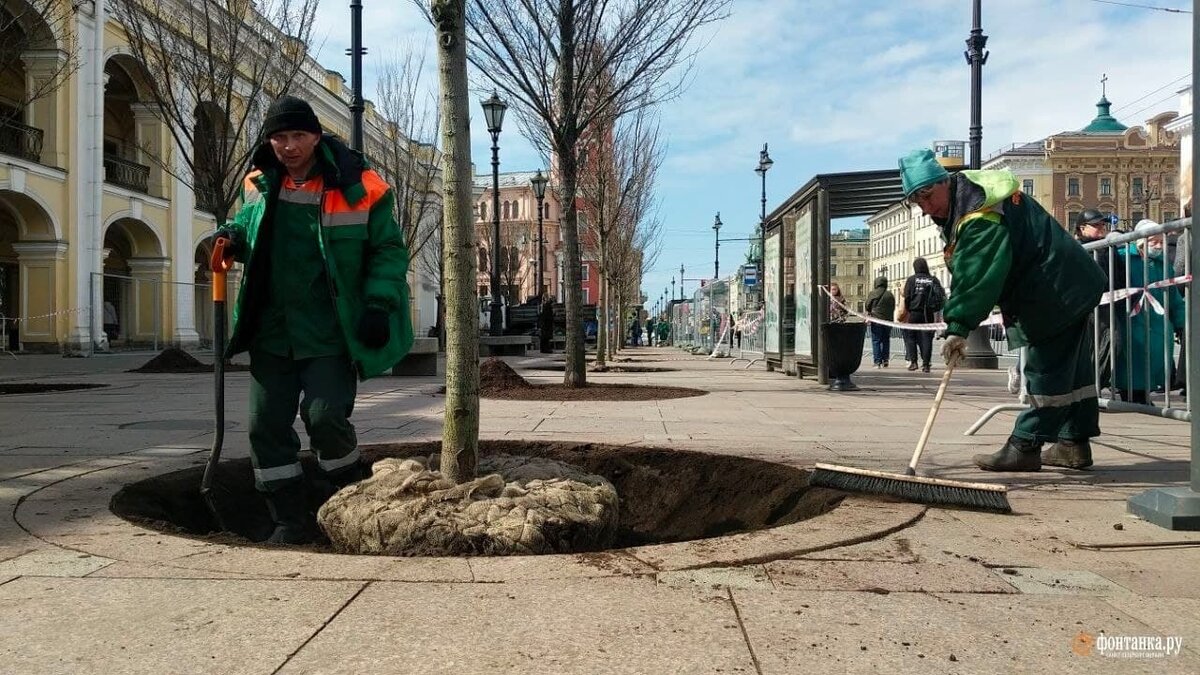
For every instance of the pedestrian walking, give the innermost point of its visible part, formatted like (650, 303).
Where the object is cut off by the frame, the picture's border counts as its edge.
(924, 297)
(323, 303)
(881, 304)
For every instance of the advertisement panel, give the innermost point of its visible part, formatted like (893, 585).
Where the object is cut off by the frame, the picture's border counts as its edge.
(771, 289)
(804, 284)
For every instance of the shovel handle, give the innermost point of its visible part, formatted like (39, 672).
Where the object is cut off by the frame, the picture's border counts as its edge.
(220, 263)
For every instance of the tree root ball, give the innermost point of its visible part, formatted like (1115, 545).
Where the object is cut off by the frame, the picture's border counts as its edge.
(517, 506)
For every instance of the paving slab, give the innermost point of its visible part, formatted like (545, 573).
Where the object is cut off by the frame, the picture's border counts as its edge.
(160, 626)
(53, 562)
(1167, 616)
(567, 626)
(855, 575)
(919, 633)
(588, 565)
(1040, 581)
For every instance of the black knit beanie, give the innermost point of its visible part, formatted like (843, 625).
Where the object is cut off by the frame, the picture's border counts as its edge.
(289, 113)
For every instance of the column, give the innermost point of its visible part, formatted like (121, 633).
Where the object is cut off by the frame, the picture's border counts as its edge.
(183, 233)
(38, 264)
(86, 177)
(149, 299)
(45, 71)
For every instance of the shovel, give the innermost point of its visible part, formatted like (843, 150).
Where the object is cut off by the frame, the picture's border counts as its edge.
(220, 265)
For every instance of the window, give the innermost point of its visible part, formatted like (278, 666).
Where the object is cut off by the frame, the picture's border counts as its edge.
(1027, 186)
(860, 290)
(1168, 216)
(1071, 216)
(832, 252)
(1105, 187)
(583, 272)
(1169, 184)
(483, 259)
(1072, 187)
(861, 272)
(483, 210)
(516, 210)
(483, 291)
(1137, 216)
(1137, 187)
(833, 270)
(587, 295)
(859, 254)
(506, 210)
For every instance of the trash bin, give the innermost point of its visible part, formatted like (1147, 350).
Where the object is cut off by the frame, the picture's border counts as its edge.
(845, 352)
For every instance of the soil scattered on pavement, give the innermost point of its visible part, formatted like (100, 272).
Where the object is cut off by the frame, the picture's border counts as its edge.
(498, 380)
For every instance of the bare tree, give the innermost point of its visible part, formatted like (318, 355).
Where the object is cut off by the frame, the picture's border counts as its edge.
(36, 58)
(407, 156)
(619, 191)
(566, 66)
(460, 429)
(211, 65)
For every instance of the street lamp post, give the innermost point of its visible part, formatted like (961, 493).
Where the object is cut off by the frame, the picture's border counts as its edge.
(672, 288)
(539, 189)
(717, 243)
(764, 164)
(493, 114)
(681, 282)
(356, 52)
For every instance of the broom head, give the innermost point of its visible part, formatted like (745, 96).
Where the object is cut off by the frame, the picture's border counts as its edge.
(937, 491)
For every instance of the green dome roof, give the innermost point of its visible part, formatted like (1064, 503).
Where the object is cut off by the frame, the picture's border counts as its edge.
(1104, 123)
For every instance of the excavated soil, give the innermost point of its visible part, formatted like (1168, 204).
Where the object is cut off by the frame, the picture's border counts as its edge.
(175, 360)
(610, 369)
(498, 380)
(666, 495)
(43, 387)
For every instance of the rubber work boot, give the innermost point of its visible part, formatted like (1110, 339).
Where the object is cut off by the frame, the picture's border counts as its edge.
(294, 520)
(350, 475)
(1017, 454)
(1069, 454)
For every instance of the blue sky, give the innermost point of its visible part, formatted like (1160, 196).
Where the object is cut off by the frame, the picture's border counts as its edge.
(845, 85)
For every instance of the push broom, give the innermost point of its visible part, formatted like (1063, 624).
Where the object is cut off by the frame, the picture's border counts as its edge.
(911, 487)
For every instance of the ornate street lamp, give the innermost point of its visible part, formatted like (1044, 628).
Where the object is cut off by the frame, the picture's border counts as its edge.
(539, 190)
(681, 282)
(717, 250)
(493, 114)
(764, 164)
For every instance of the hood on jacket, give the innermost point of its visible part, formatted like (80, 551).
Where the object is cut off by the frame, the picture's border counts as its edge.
(881, 282)
(976, 190)
(340, 166)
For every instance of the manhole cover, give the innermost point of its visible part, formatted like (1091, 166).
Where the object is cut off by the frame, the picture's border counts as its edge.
(666, 495)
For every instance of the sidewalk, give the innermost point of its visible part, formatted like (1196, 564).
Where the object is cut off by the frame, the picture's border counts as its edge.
(924, 590)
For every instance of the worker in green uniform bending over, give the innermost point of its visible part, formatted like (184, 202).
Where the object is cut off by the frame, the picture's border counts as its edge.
(323, 303)
(1003, 248)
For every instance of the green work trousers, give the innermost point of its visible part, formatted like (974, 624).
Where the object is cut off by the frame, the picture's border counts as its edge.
(1061, 382)
(328, 385)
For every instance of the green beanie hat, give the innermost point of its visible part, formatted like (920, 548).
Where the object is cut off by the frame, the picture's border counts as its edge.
(918, 169)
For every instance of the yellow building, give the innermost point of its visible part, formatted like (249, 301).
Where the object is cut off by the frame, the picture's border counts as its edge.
(850, 266)
(91, 228)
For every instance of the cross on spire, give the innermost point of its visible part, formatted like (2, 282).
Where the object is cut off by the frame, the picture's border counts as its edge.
(1104, 85)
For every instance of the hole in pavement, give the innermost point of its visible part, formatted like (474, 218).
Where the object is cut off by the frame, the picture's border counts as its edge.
(43, 387)
(666, 495)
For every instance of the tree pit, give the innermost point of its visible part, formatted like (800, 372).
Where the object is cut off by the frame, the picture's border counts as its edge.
(665, 495)
(44, 387)
(497, 380)
(609, 369)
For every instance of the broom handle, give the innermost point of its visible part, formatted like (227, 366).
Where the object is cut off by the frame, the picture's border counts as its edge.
(933, 411)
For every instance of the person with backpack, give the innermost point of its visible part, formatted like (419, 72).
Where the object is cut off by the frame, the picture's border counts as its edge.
(1003, 248)
(923, 299)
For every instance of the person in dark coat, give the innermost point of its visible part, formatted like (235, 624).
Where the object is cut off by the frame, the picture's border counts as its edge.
(881, 304)
(923, 298)
(546, 325)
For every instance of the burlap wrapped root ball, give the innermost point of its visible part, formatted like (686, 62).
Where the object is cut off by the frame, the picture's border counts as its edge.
(516, 506)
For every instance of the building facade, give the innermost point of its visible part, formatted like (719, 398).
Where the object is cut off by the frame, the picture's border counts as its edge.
(850, 265)
(518, 246)
(91, 223)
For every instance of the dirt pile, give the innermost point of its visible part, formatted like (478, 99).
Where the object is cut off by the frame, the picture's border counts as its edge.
(497, 377)
(175, 360)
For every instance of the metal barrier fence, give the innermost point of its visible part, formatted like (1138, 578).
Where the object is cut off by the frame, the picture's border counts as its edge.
(130, 311)
(750, 340)
(1140, 331)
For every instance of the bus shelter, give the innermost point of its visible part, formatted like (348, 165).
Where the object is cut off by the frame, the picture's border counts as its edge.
(796, 262)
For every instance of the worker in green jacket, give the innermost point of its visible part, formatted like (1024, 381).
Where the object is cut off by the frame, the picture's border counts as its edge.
(323, 303)
(1002, 248)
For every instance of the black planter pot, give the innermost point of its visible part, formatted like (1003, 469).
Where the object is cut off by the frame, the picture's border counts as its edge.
(845, 353)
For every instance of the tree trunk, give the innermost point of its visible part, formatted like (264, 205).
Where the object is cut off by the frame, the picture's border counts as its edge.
(603, 336)
(566, 139)
(460, 430)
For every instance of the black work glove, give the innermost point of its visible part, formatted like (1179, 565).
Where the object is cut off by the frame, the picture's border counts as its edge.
(234, 247)
(373, 329)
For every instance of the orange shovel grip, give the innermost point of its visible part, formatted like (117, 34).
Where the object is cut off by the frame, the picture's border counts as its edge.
(220, 263)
